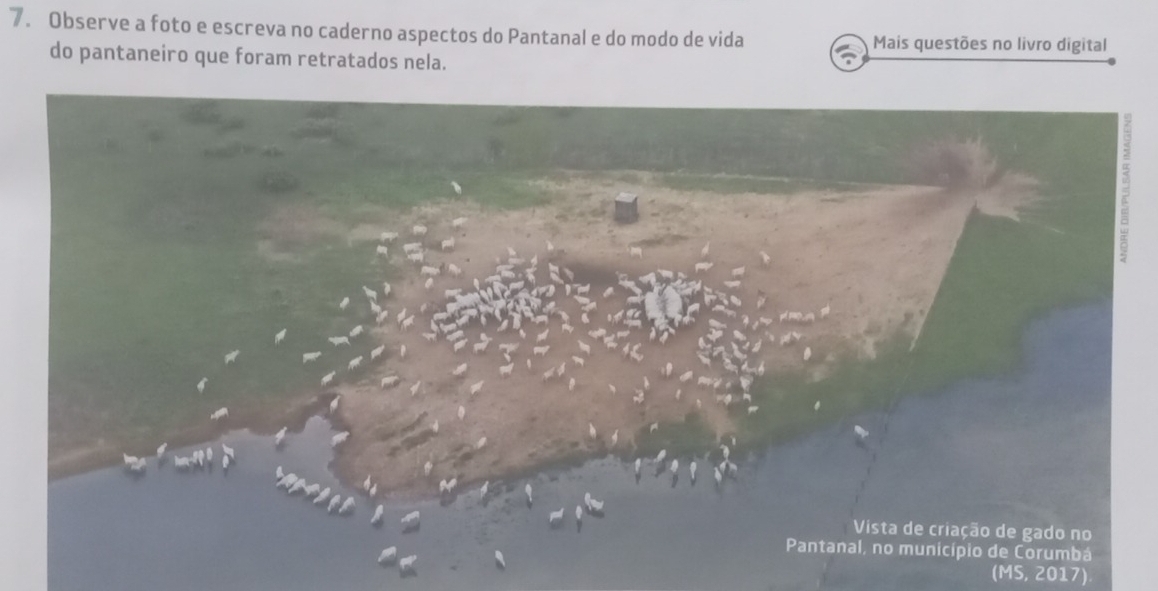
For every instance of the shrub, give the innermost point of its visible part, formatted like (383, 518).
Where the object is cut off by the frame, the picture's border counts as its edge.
(227, 149)
(953, 164)
(278, 181)
(202, 112)
(232, 124)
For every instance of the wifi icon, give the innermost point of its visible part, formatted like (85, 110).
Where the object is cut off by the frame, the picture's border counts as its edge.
(848, 53)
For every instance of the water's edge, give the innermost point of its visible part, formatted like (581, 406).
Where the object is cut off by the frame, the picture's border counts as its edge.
(992, 450)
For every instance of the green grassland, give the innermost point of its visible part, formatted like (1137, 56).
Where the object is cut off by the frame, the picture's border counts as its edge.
(155, 273)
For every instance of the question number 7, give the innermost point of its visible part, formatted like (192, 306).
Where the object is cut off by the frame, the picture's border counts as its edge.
(19, 10)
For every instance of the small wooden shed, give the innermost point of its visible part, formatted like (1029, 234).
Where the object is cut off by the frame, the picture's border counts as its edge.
(627, 208)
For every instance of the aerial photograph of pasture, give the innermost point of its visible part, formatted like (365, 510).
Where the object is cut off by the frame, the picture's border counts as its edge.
(364, 346)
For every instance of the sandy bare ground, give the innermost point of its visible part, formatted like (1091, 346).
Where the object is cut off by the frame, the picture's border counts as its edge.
(875, 257)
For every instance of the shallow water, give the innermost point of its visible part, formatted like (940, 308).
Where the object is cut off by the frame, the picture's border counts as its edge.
(1032, 449)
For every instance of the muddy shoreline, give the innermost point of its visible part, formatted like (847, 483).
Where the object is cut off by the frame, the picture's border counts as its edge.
(106, 454)
(102, 455)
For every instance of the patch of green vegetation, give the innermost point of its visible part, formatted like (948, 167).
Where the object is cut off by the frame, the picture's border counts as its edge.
(157, 270)
(786, 403)
(317, 128)
(231, 124)
(202, 112)
(404, 189)
(227, 149)
(323, 110)
(747, 184)
(278, 181)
